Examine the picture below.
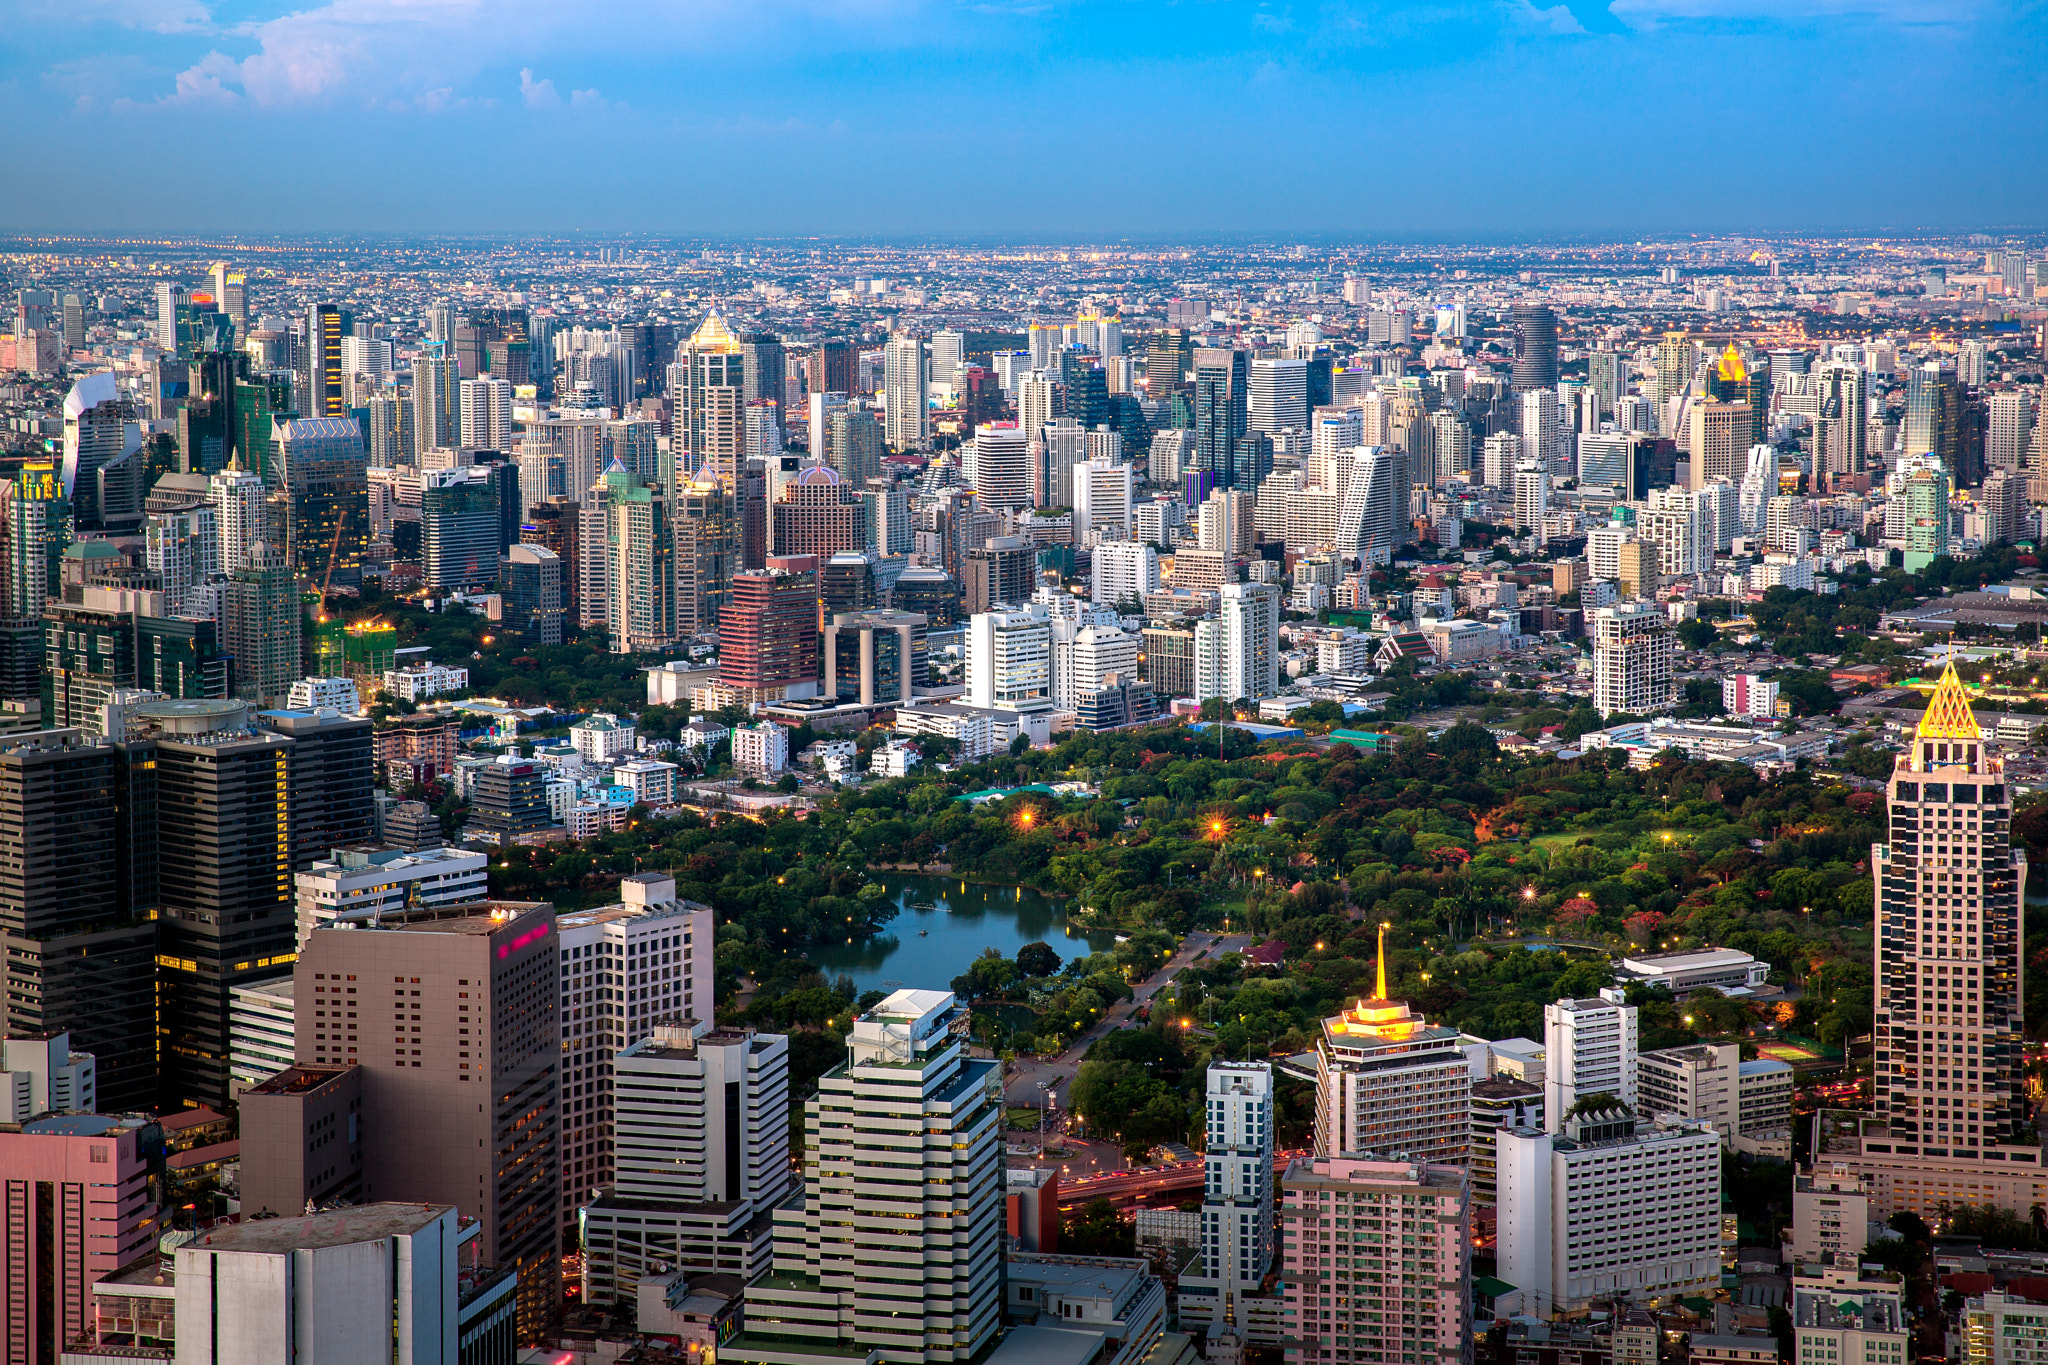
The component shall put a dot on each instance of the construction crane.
(333, 553)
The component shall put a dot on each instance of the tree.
(1037, 959)
(1695, 633)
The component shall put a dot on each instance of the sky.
(1086, 119)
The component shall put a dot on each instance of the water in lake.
(959, 920)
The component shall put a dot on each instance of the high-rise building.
(486, 417)
(459, 1106)
(700, 1150)
(436, 400)
(262, 626)
(224, 869)
(1841, 405)
(1589, 1049)
(1372, 518)
(1366, 1218)
(2011, 434)
(1222, 413)
(765, 373)
(365, 882)
(1237, 1193)
(82, 1210)
(459, 528)
(708, 390)
(324, 372)
(768, 632)
(1390, 1083)
(1924, 511)
(102, 443)
(37, 532)
(1002, 573)
(1934, 411)
(904, 381)
(1675, 364)
(817, 514)
(184, 547)
(830, 367)
(240, 515)
(708, 538)
(647, 933)
(1607, 1208)
(1278, 396)
(1607, 377)
(641, 574)
(1123, 569)
(1225, 522)
(998, 467)
(1535, 347)
(896, 1248)
(873, 656)
(1632, 651)
(853, 445)
(1532, 496)
(1237, 653)
(78, 903)
(323, 471)
(535, 583)
(332, 773)
(1009, 661)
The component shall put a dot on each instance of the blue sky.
(1083, 118)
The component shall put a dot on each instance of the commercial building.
(1009, 661)
(817, 514)
(323, 469)
(535, 583)
(875, 656)
(363, 882)
(333, 769)
(1002, 573)
(1081, 1296)
(2003, 1329)
(1589, 1049)
(1609, 1209)
(261, 1030)
(640, 575)
(1237, 1193)
(509, 798)
(1123, 569)
(1721, 969)
(1237, 653)
(1389, 1083)
(1499, 1102)
(79, 1209)
(459, 528)
(461, 1103)
(1378, 1261)
(768, 631)
(1846, 1315)
(1632, 652)
(1830, 1218)
(700, 1155)
(897, 1244)
(1710, 1082)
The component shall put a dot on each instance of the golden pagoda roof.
(713, 335)
(1730, 366)
(1948, 713)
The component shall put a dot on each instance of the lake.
(966, 919)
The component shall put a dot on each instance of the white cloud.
(157, 16)
(537, 94)
(1556, 19)
(1639, 12)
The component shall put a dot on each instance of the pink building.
(75, 1205)
(1377, 1262)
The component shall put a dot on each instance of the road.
(1023, 1086)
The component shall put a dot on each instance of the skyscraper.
(240, 515)
(897, 1247)
(486, 421)
(998, 466)
(331, 779)
(1372, 518)
(324, 473)
(436, 400)
(852, 444)
(1841, 402)
(459, 528)
(817, 515)
(1237, 652)
(1278, 398)
(1535, 347)
(708, 388)
(1934, 409)
(1532, 496)
(1722, 434)
(38, 530)
(1674, 374)
(640, 542)
(768, 631)
(262, 626)
(535, 581)
(99, 425)
(1237, 1193)
(2011, 434)
(326, 325)
(904, 380)
(1389, 1082)
(1589, 1049)
(707, 533)
(1221, 409)
(1632, 651)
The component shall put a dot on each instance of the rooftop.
(337, 1227)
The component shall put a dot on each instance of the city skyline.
(860, 121)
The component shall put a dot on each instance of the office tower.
(904, 381)
(1632, 649)
(262, 626)
(1124, 569)
(1608, 458)
(2011, 434)
(1086, 388)
(1172, 454)
(1167, 362)
(646, 933)
(1237, 652)
(1389, 1082)
(1532, 496)
(1221, 409)
(240, 516)
(1934, 416)
(170, 298)
(948, 358)
(852, 445)
(535, 583)
(830, 367)
(1366, 1218)
(1674, 375)
(768, 630)
(1102, 500)
(486, 421)
(701, 1150)
(1224, 522)
(764, 371)
(97, 448)
(459, 528)
(1535, 347)
(1041, 399)
(1278, 396)
(640, 549)
(322, 469)
(391, 429)
(74, 323)
(80, 1210)
(224, 857)
(1009, 661)
(895, 1249)
(1002, 573)
(331, 778)
(38, 530)
(997, 466)
(873, 656)
(490, 1149)
(350, 884)
(324, 371)
(817, 515)
(1237, 1193)
(1925, 496)
(436, 400)
(1721, 437)
(1607, 377)
(707, 536)
(1542, 431)
(887, 516)
(1372, 519)
(1609, 1208)
(708, 393)
(1732, 379)
(78, 901)
(1589, 1049)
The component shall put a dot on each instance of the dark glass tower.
(1535, 347)
(1221, 378)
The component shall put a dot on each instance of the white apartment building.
(1749, 696)
(1124, 568)
(602, 737)
(1277, 395)
(1237, 653)
(997, 465)
(42, 1075)
(1632, 653)
(333, 694)
(1841, 1316)
(1532, 496)
(1390, 1083)
(417, 682)
(896, 1245)
(1609, 1208)
(260, 1031)
(1830, 1218)
(362, 883)
(651, 780)
(700, 1149)
(1009, 660)
(625, 968)
(1237, 1192)
(1589, 1048)
(1672, 521)
(760, 750)
(1103, 495)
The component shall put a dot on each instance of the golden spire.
(713, 335)
(1381, 992)
(1731, 367)
(1948, 713)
